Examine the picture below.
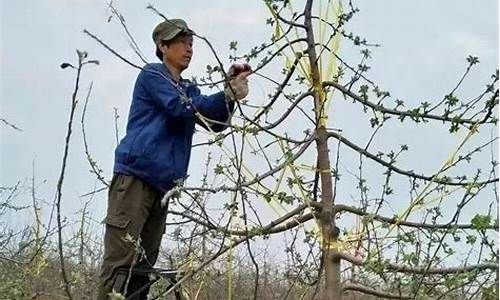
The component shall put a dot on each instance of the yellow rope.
(419, 201)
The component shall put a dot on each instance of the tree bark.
(331, 264)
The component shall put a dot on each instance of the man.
(155, 152)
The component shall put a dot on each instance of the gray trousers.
(135, 223)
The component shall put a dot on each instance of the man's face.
(178, 54)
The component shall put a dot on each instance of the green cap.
(168, 29)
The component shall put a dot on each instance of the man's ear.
(163, 47)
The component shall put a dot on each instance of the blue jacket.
(157, 144)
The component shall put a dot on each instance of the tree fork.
(331, 264)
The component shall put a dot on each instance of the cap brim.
(174, 33)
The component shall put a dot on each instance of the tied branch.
(411, 113)
(390, 165)
(420, 270)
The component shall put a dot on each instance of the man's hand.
(238, 85)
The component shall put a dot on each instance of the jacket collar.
(167, 72)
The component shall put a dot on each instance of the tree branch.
(340, 207)
(366, 290)
(390, 166)
(256, 231)
(419, 270)
(407, 113)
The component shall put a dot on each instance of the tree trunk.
(331, 265)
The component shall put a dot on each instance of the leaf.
(233, 45)
(481, 222)
(81, 54)
(470, 239)
(65, 65)
(472, 60)
(219, 170)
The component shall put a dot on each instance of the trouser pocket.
(118, 221)
(134, 226)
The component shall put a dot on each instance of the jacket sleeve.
(163, 93)
(223, 112)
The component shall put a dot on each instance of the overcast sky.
(424, 45)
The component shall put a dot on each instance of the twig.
(93, 164)
(10, 125)
(81, 57)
